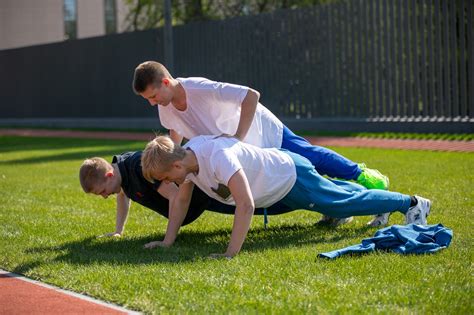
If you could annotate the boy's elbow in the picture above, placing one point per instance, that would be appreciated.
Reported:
(248, 207)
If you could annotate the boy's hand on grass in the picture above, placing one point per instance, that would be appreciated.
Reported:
(113, 234)
(156, 244)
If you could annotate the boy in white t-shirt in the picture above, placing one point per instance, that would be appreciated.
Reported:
(241, 174)
(190, 107)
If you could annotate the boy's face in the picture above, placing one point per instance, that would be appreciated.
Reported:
(176, 173)
(108, 187)
(158, 95)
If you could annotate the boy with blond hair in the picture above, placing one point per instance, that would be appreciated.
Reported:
(124, 178)
(194, 106)
(241, 174)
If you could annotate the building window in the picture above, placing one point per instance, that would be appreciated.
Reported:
(110, 17)
(70, 19)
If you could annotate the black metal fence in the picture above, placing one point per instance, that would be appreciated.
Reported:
(385, 60)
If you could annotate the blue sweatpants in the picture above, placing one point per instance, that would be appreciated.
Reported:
(338, 199)
(326, 162)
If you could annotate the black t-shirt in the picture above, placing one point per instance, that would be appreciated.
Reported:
(138, 189)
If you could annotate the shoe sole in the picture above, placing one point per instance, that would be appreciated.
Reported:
(348, 220)
(370, 223)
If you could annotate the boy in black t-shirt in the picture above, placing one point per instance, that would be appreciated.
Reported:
(124, 178)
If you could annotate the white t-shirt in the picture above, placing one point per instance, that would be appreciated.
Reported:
(213, 108)
(271, 173)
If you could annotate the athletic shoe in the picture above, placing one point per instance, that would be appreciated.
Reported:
(327, 220)
(372, 179)
(418, 214)
(379, 220)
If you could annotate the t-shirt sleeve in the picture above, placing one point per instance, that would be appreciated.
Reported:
(230, 93)
(224, 166)
(219, 92)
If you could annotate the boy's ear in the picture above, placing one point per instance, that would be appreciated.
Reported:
(177, 164)
(109, 174)
(165, 81)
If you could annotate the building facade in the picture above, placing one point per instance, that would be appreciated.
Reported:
(34, 22)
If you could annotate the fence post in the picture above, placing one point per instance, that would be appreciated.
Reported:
(168, 36)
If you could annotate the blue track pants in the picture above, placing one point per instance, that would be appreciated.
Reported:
(326, 161)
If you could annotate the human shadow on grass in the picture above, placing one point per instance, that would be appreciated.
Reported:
(192, 245)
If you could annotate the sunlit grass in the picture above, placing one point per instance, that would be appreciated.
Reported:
(49, 226)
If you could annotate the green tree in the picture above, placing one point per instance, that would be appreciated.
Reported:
(145, 14)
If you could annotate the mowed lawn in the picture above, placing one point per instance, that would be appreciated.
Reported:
(49, 230)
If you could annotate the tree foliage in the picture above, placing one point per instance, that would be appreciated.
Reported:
(145, 14)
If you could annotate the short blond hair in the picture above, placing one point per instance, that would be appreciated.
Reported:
(149, 72)
(159, 155)
(92, 173)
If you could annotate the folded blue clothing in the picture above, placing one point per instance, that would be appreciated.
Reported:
(401, 239)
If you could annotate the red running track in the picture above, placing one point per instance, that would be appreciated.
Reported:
(19, 295)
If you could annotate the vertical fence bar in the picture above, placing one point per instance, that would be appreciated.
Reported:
(462, 61)
(409, 100)
(356, 45)
(332, 60)
(470, 56)
(379, 64)
(415, 109)
(454, 59)
(388, 67)
(302, 69)
(322, 60)
(360, 59)
(344, 59)
(439, 60)
(338, 53)
(401, 75)
(447, 104)
(373, 60)
(350, 20)
(365, 23)
(431, 73)
(314, 56)
(393, 59)
(423, 61)
(332, 57)
(310, 84)
(289, 106)
(294, 57)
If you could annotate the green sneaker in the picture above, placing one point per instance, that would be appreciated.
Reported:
(372, 179)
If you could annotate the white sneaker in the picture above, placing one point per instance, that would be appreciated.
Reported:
(418, 214)
(379, 220)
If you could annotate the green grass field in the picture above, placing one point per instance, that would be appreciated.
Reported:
(49, 230)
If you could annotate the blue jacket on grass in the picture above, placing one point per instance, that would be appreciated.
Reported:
(401, 239)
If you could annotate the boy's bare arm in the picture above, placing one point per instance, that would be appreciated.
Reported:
(123, 206)
(176, 137)
(248, 108)
(179, 206)
(168, 190)
(245, 207)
